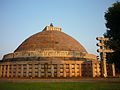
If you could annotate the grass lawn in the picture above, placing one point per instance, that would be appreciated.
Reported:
(59, 85)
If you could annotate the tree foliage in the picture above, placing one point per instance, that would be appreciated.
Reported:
(112, 17)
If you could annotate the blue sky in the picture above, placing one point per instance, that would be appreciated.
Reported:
(81, 19)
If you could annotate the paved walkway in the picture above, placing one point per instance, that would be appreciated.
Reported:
(61, 80)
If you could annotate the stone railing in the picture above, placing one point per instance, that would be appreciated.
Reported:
(49, 53)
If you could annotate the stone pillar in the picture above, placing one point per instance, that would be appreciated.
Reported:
(52, 70)
(0, 70)
(64, 70)
(21, 70)
(93, 69)
(11, 70)
(33, 70)
(16, 74)
(113, 69)
(4, 72)
(103, 63)
(70, 68)
(58, 70)
(80, 70)
(39, 70)
(8, 70)
(98, 70)
(75, 70)
(27, 70)
(46, 69)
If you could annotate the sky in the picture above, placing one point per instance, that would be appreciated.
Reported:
(81, 19)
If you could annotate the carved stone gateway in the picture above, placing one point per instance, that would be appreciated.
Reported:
(107, 69)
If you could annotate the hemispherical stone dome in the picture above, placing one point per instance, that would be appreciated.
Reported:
(50, 40)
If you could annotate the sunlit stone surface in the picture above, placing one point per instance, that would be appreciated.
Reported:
(51, 53)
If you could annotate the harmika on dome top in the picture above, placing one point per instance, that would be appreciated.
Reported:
(51, 38)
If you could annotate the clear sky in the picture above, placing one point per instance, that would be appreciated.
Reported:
(81, 19)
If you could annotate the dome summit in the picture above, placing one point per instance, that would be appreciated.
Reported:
(50, 40)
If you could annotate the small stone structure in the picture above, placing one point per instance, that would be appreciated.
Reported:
(51, 53)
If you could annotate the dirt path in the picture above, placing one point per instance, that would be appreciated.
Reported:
(61, 80)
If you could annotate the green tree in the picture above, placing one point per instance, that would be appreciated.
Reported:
(112, 17)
